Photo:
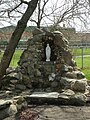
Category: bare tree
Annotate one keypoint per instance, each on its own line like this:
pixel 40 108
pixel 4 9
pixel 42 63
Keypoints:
pixel 71 12
pixel 53 12
pixel 9 10
pixel 14 10
pixel 40 12
pixel 21 25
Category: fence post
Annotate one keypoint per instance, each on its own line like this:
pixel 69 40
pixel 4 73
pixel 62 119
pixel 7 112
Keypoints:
pixel 82 56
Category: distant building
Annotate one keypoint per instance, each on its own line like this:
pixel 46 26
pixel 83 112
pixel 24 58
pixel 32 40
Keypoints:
pixel 75 37
pixel 70 34
pixel 6 32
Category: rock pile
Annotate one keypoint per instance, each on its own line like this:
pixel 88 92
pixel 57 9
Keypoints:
pixel 57 79
pixel 35 71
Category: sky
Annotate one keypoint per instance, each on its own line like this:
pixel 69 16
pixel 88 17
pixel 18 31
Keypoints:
pixel 80 26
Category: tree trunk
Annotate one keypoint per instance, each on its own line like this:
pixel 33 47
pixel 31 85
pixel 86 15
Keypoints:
pixel 21 25
pixel 38 24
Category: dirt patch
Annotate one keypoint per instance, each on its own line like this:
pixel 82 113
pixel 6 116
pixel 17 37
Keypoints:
pixel 52 112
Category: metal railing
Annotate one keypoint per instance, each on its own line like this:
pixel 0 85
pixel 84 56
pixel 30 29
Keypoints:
pixel 79 44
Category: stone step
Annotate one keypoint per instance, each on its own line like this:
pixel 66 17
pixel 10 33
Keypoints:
pixel 53 98
pixel 43 98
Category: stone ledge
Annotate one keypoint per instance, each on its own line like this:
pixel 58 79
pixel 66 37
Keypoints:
pixel 55 98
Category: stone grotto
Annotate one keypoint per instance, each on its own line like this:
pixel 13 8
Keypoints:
pixel 46 72
pixel 59 73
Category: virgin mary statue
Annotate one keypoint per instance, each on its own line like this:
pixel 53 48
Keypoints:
pixel 48 52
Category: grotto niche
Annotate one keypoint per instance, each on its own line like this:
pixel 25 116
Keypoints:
pixel 50 41
pixel 59 74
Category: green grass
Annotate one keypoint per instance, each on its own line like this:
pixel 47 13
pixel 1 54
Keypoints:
pixel 15 58
pixel 86 62
pixel 86 65
pixel 86 71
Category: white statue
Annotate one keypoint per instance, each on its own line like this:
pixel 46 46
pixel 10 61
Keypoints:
pixel 48 52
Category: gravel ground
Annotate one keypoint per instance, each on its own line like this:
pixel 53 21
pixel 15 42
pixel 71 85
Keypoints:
pixel 52 112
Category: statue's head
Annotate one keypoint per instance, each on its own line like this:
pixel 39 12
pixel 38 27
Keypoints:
pixel 47 44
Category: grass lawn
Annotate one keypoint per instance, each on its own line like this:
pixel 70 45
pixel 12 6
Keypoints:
pixel 86 71
pixel 86 60
pixel 86 65
pixel 15 58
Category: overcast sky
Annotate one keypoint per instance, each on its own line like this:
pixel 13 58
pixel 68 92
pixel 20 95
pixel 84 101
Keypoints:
pixel 79 27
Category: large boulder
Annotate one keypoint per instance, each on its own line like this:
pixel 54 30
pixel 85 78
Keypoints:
pixel 12 110
pixel 58 36
pixel 66 82
pixel 75 75
pixel 20 102
pixel 4 104
pixel 20 87
pixel 79 85
pixel 68 92
pixel 7 109
pixel 78 99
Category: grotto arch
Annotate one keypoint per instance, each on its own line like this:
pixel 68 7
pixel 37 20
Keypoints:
pixel 50 41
